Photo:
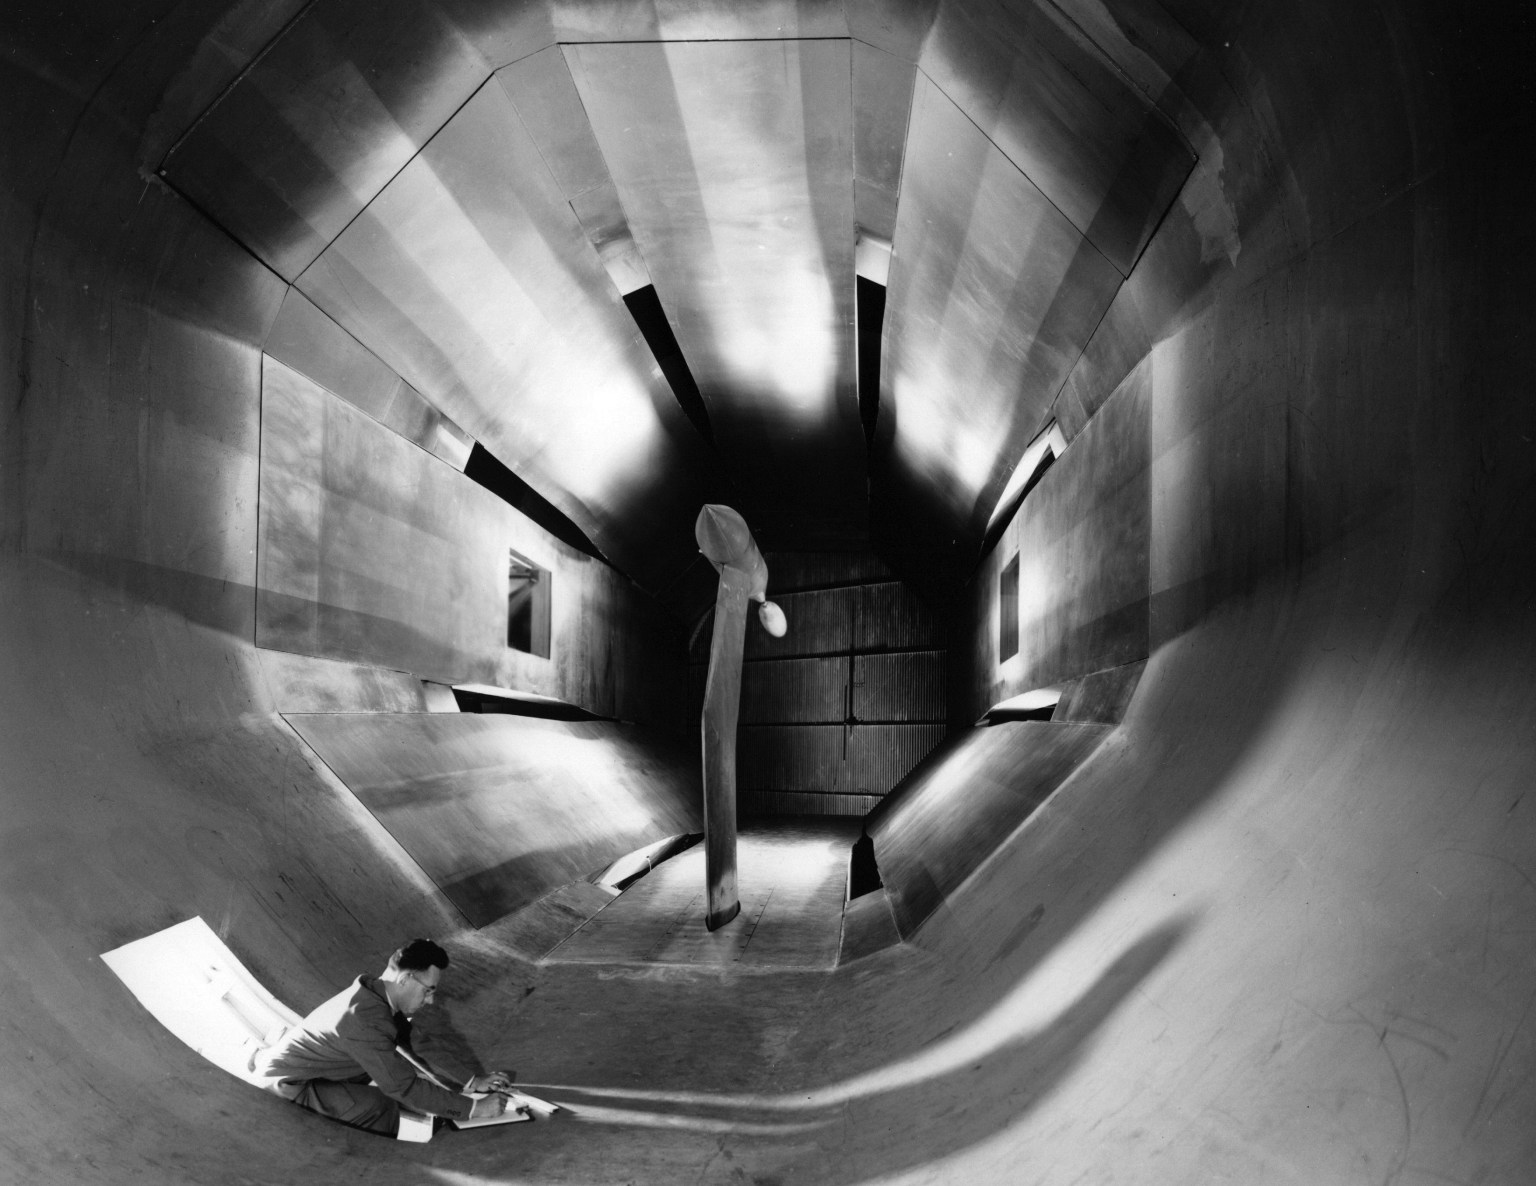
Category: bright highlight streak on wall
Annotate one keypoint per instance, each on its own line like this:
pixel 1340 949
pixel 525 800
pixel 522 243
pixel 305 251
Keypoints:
pixel 1051 441
pixel 785 344
pixel 1043 999
pixel 1037 593
pixel 932 440
pixel 607 433
pixel 333 140
pixel 772 314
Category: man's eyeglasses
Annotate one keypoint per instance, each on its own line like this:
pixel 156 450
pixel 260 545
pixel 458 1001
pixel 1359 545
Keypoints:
pixel 431 988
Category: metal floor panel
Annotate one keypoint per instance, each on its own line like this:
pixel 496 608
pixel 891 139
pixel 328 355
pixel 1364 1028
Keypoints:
pixel 792 878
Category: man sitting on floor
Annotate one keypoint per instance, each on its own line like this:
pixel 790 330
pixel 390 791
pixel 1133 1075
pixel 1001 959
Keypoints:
pixel 325 1064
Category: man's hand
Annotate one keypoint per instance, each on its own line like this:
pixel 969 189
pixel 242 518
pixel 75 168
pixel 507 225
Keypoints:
pixel 491 1081
pixel 488 1107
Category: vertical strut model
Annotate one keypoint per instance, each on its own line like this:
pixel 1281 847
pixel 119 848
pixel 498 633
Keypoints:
pixel 727 542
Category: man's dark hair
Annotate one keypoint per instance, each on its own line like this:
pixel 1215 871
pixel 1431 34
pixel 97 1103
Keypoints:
pixel 417 956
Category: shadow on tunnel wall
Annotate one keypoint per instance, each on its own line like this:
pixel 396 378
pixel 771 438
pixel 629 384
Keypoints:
pixel 910 1110
pixel 1196 718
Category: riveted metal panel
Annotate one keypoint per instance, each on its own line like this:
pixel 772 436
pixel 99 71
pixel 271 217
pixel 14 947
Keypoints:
pixel 908 686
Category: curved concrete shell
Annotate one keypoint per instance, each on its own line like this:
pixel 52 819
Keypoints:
pixel 1256 905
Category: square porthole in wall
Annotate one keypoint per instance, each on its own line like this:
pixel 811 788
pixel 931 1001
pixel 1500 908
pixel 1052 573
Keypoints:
pixel 528 601
pixel 1008 611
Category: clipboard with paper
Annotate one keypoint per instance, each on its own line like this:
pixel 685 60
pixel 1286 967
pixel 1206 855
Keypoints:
pixel 520 1105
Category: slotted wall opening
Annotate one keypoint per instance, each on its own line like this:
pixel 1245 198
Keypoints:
pixel 645 307
pixel 486 469
pixel 1049 444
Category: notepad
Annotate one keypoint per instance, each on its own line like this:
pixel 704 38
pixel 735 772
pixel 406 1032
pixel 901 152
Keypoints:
pixel 520 1106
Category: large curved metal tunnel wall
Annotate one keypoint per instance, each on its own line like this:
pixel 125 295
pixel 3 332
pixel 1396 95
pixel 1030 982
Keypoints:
pixel 1278 925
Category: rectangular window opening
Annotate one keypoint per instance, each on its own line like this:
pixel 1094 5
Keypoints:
pixel 1008 611
pixel 528 603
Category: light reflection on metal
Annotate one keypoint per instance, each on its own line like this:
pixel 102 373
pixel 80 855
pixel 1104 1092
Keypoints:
pixel 770 324
pixel 992 295
pixel 321 121
pixel 306 340
pixel 738 193
pixel 506 331
pixel 1051 441
pixel 1039 590
pixel 882 102
pixel 727 543
pixel 498 693
pixel 602 217
pixel 749 164
pixel 1056 106
pixel 541 89
pixel 1025 704
pixel 471 277
pixel 671 1121
pixel 872 257
pixel 697 20
pixel 1074 971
